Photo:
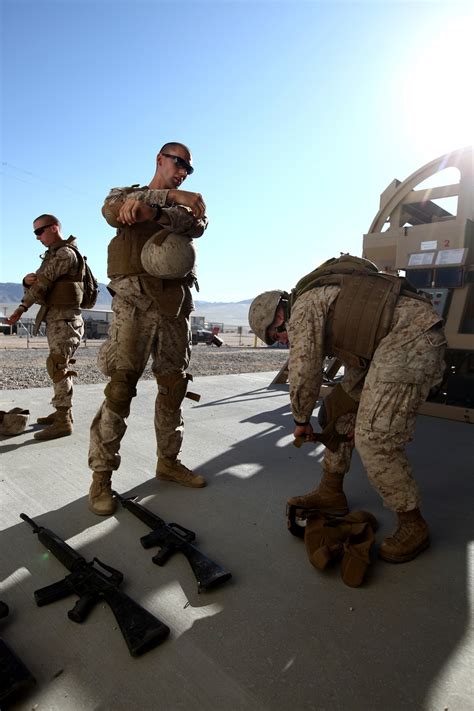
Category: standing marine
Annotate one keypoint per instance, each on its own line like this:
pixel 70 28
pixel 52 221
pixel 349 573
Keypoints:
pixel 58 287
pixel 151 270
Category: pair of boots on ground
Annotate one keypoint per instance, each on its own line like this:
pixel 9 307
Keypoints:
pixel 409 539
pixel 59 424
pixel 346 538
pixel 102 501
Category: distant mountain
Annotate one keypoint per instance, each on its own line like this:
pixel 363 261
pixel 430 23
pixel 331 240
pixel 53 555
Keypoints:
pixel 228 313
pixel 12 293
pixel 203 304
pixel 105 297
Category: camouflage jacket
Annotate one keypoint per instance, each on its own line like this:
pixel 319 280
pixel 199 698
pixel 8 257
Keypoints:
pixel 142 290
pixel 58 261
pixel 306 332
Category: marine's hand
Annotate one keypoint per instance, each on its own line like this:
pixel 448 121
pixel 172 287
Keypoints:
pixel 194 201
pixel 305 431
pixel 15 316
pixel 30 279
pixel 302 434
pixel 133 211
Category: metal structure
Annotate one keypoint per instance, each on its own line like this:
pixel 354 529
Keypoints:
pixel 425 227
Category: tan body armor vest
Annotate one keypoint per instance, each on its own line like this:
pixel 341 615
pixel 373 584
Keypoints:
pixel 68 289
pixel 363 310
pixel 172 295
pixel 123 258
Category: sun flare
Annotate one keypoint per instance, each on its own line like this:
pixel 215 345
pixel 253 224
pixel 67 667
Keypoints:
pixel 438 98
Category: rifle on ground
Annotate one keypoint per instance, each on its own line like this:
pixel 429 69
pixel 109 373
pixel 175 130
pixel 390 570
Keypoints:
pixel 141 630
pixel 172 537
pixel 14 676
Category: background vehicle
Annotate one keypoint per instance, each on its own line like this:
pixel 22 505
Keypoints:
pixel 5 328
pixel 202 335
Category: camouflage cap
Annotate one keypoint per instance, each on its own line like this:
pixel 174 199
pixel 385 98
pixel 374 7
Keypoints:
pixel 14 421
pixel 262 313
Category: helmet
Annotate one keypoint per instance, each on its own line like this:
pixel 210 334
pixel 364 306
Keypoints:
pixel 262 312
pixel 14 421
pixel 168 255
pixel 348 260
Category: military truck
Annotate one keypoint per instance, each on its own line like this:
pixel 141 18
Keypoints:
pixel 96 328
pixel 425 228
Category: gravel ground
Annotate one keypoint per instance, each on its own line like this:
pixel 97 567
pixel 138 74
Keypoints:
pixel 25 368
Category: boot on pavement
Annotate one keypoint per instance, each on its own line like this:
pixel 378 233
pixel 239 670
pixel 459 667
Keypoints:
pixel 49 419
pixel 60 427
pixel 169 469
pixel 328 498
pixel 411 538
pixel 101 500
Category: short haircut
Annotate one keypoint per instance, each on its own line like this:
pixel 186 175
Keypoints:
pixel 174 144
pixel 51 218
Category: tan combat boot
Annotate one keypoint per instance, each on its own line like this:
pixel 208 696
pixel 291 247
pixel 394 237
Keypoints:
pixel 101 500
pixel 61 426
pixel 174 470
pixel 49 419
pixel 329 497
pixel 411 537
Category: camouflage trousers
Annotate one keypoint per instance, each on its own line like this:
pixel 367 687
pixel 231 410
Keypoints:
pixel 64 338
pixel 397 383
pixel 135 336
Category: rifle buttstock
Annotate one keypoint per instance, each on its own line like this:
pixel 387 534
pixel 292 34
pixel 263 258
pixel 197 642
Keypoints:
pixel 141 630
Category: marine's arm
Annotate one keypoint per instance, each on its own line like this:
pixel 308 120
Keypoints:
pixel 179 210
pixel 181 221
pixel 63 262
pixel 306 335
pixel 38 284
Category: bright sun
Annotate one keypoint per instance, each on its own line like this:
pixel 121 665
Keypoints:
pixel 438 96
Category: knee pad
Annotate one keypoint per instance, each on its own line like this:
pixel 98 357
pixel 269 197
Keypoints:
pixel 172 390
pixel 337 403
pixel 120 391
pixel 57 367
pixel 337 408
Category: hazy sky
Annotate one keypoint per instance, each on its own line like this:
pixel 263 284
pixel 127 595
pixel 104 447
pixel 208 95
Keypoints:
pixel 299 114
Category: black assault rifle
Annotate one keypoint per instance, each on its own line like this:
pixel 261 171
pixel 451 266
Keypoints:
pixel 172 537
pixel 141 630
pixel 14 676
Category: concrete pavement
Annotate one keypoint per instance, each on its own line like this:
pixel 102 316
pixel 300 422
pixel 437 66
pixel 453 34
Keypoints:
pixel 280 635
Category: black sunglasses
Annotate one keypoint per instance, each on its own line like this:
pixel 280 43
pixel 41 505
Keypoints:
pixel 180 162
pixel 39 230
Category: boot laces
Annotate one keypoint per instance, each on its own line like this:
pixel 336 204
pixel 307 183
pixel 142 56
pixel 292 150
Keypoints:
pixel 406 531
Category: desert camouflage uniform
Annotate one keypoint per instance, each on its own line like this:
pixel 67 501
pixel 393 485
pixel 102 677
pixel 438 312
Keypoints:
pixel 64 324
pixel 407 363
pixel 144 326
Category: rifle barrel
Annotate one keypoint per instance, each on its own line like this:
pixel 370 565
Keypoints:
pixel 151 519
pixel 29 520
